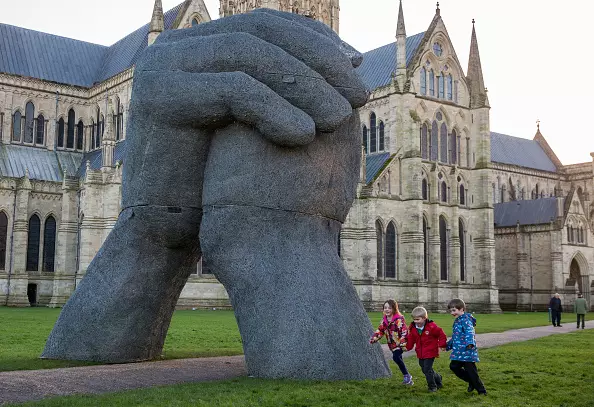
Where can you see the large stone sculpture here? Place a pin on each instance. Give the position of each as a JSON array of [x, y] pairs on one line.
[[242, 129]]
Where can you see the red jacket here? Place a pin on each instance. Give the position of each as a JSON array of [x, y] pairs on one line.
[[428, 342]]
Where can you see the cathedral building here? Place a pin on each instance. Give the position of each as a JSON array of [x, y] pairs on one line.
[[445, 207]]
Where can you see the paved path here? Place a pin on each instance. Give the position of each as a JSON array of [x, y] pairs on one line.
[[28, 385]]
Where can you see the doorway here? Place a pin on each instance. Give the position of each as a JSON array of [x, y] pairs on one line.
[[32, 294]]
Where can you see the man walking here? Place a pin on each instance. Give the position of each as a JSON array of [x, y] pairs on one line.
[[581, 307], [556, 309]]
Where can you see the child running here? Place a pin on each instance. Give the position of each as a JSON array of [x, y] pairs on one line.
[[427, 338], [393, 323], [463, 347]]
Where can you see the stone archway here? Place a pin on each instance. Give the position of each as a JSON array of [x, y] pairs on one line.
[[578, 280], [575, 277]]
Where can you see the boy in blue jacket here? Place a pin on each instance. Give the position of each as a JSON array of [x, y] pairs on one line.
[[463, 346]]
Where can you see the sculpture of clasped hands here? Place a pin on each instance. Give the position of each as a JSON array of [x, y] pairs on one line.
[[243, 147]]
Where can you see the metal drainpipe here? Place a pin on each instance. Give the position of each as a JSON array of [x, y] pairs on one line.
[[10, 265]]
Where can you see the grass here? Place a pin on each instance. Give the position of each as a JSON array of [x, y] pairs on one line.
[[23, 332], [550, 371]]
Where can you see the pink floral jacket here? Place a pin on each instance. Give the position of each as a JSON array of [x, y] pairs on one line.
[[395, 330]]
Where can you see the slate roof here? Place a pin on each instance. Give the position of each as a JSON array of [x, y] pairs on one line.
[[95, 158], [533, 212], [378, 64], [519, 151], [373, 164], [45, 165], [58, 59]]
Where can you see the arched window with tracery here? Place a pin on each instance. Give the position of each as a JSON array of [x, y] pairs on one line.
[[424, 142], [425, 249], [379, 235], [61, 132], [425, 189], [381, 136], [16, 126], [33, 236], [80, 135], [49, 244], [40, 134], [443, 135], [364, 137], [29, 122], [71, 126], [3, 239], [443, 249], [391, 251], [423, 81], [431, 83], [462, 236], [434, 141], [372, 133], [453, 147]]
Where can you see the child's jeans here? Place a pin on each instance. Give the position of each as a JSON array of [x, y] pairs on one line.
[[397, 356], [433, 378]]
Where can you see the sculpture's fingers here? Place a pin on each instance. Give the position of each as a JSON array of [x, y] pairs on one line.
[[354, 55], [316, 50], [267, 63], [212, 100]]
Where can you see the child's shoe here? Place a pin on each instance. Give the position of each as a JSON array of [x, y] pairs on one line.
[[407, 380]]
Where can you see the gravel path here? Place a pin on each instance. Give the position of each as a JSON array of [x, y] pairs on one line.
[[28, 385]]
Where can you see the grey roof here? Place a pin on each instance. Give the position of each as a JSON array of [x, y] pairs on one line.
[[58, 59], [95, 158], [46, 165], [519, 151], [373, 164], [378, 64], [533, 212]]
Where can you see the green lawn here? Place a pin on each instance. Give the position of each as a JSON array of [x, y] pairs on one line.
[[23, 332], [550, 371]]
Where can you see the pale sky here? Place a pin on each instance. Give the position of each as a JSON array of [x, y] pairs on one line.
[[529, 50]]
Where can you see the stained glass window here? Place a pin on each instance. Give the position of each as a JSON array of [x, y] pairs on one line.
[[372, 134], [3, 239], [379, 234], [444, 142], [49, 244], [391, 251], [381, 136], [80, 135], [33, 244], [437, 50], [434, 141], [29, 122], [453, 147], [462, 236], [423, 81], [450, 86], [431, 83], [70, 132], [39, 139], [61, 132], [440, 84], [443, 249], [364, 137], [16, 126]]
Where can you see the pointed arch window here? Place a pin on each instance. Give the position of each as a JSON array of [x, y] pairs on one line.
[[431, 83], [462, 235], [379, 235], [29, 122], [462, 195], [381, 136], [423, 81], [372, 133], [424, 142], [425, 249], [443, 249], [16, 126], [443, 192], [80, 135], [40, 134], [454, 147], [450, 86], [100, 129], [440, 84], [33, 235], [455, 91], [424, 189], [61, 132], [93, 134], [391, 250], [71, 126], [364, 136], [434, 141], [49, 244], [443, 133], [3, 239]]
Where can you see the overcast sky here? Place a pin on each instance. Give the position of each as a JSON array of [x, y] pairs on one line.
[[534, 54]]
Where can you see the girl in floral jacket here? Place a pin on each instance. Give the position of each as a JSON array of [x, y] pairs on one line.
[[393, 326]]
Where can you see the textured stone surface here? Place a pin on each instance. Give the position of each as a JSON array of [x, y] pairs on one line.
[[282, 168]]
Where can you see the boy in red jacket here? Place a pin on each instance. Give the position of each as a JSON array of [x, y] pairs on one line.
[[427, 337]]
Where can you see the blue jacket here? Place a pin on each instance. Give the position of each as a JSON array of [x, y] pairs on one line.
[[463, 343]]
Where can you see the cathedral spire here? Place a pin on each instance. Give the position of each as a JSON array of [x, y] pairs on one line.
[[400, 30], [157, 22], [478, 94]]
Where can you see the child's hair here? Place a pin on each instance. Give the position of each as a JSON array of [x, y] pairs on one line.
[[394, 305], [457, 303], [419, 312]]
